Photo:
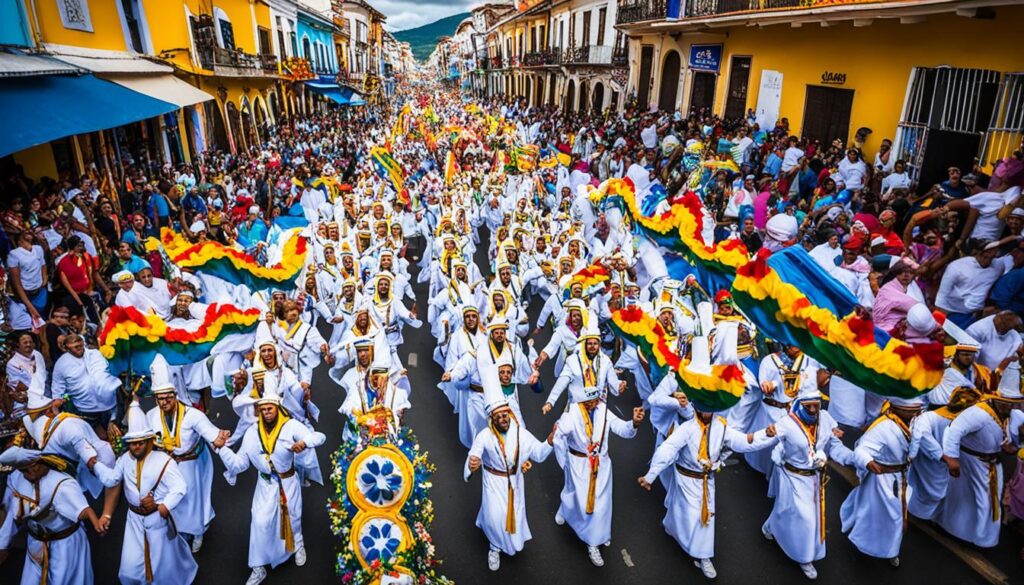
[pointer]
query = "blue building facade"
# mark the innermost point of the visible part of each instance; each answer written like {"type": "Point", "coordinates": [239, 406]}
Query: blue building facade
{"type": "Point", "coordinates": [316, 43]}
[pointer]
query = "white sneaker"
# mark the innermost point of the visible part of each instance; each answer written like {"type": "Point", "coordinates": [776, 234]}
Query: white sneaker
{"type": "Point", "coordinates": [559, 519]}
{"type": "Point", "coordinates": [257, 576]}
{"type": "Point", "coordinates": [300, 556]}
{"type": "Point", "coordinates": [493, 560]}
{"type": "Point", "coordinates": [706, 567]}
{"type": "Point", "coordinates": [197, 543]}
{"type": "Point", "coordinates": [767, 534]}
{"type": "Point", "coordinates": [895, 562]}
{"type": "Point", "coordinates": [595, 556]}
{"type": "Point", "coordinates": [809, 571]}
{"type": "Point", "coordinates": [608, 543]}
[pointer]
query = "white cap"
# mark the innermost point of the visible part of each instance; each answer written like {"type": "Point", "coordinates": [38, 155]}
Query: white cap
{"type": "Point", "coordinates": [964, 342]}
{"type": "Point", "coordinates": [591, 332]}
{"type": "Point", "coordinates": [197, 226]}
{"type": "Point", "coordinates": [1009, 384]}
{"type": "Point", "coordinates": [900, 402]}
{"type": "Point", "coordinates": [160, 376]}
{"type": "Point", "coordinates": [496, 405]}
{"type": "Point", "coordinates": [497, 323]}
{"type": "Point", "coordinates": [808, 386]}
{"type": "Point", "coordinates": [138, 425]}
{"type": "Point", "coordinates": [264, 336]}
{"type": "Point", "coordinates": [19, 456]}
{"type": "Point", "coordinates": [123, 276]}
{"type": "Point", "coordinates": [254, 209]}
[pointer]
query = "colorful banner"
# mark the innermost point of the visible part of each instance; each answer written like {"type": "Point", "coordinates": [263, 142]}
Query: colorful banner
{"type": "Point", "coordinates": [388, 168]}
{"type": "Point", "coordinates": [714, 391]}
{"type": "Point", "coordinates": [787, 295]}
{"type": "Point", "coordinates": [237, 267]}
{"type": "Point", "coordinates": [130, 338]}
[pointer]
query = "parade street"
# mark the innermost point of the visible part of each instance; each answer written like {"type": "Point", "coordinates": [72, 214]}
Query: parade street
{"type": "Point", "coordinates": [640, 551]}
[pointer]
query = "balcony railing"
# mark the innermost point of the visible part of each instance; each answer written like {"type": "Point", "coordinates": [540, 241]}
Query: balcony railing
{"type": "Point", "coordinates": [620, 57]}
{"type": "Point", "coordinates": [538, 58]}
{"type": "Point", "coordinates": [589, 55]}
{"type": "Point", "coordinates": [235, 62]}
{"type": "Point", "coordinates": [640, 10]}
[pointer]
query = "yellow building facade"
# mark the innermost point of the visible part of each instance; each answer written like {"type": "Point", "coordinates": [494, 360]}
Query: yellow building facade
{"type": "Point", "coordinates": [832, 76]}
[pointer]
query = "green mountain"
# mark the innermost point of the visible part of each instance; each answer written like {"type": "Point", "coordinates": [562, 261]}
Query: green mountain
{"type": "Point", "coordinates": [424, 38]}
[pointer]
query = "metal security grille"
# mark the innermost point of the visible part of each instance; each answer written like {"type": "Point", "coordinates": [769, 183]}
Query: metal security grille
{"type": "Point", "coordinates": [945, 99]}
{"type": "Point", "coordinates": [1006, 132]}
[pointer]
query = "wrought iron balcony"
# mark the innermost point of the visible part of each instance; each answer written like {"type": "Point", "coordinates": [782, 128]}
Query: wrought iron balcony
{"type": "Point", "coordinates": [620, 57]}
{"type": "Point", "coordinates": [538, 58]}
{"type": "Point", "coordinates": [640, 10]}
{"type": "Point", "coordinates": [588, 55]}
{"type": "Point", "coordinates": [234, 62]}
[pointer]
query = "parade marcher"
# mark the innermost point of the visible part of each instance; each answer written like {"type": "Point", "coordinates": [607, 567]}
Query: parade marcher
{"type": "Point", "coordinates": [83, 375]}
{"type": "Point", "coordinates": [50, 506]}
{"type": "Point", "coordinates": [273, 447]}
{"type": "Point", "coordinates": [588, 367]}
{"type": "Point", "coordinates": [582, 434]}
{"type": "Point", "coordinates": [153, 551]}
{"type": "Point", "coordinates": [697, 449]}
{"type": "Point", "coordinates": [506, 451]}
{"type": "Point", "coordinates": [874, 515]}
{"type": "Point", "coordinates": [183, 432]}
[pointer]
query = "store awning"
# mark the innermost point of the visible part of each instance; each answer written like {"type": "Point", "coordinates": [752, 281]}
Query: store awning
{"type": "Point", "coordinates": [344, 96]}
{"type": "Point", "coordinates": [21, 65]}
{"type": "Point", "coordinates": [167, 88]}
{"type": "Point", "coordinates": [42, 108]}
{"type": "Point", "coordinates": [104, 61]}
{"type": "Point", "coordinates": [352, 96]}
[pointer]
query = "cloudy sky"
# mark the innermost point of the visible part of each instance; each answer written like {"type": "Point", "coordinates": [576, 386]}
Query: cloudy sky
{"type": "Point", "coordinates": [403, 14]}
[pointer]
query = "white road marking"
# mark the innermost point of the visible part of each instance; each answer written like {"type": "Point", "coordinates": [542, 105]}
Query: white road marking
{"type": "Point", "coordinates": [412, 360]}
{"type": "Point", "coordinates": [626, 558]}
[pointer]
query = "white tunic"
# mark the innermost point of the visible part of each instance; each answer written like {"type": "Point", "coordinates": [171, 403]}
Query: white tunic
{"type": "Point", "coordinates": [266, 547]}
{"type": "Point", "coordinates": [503, 477]}
{"type": "Point", "coordinates": [928, 472]}
{"type": "Point", "coordinates": [61, 502]}
{"type": "Point", "coordinates": [73, 440]}
{"type": "Point", "coordinates": [195, 511]}
{"type": "Point", "coordinates": [872, 514]}
{"type": "Point", "coordinates": [86, 380]}
{"type": "Point", "coordinates": [170, 558]}
{"type": "Point", "coordinates": [593, 523]}
{"type": "Point", "coordinates": [968, 511]}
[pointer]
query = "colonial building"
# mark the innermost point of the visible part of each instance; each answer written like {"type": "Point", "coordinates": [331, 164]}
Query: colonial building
{"type": "Point", "coordinates": [906, 71]}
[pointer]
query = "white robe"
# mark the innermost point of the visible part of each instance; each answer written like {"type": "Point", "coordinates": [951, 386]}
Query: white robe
{"type": "Point", "coordinates": [872, 514]}
{"type": "Point", "coordinates": [966, 511]}
{"type": "Point", "coordinates": [520, 446]}
{"type": "Point", "coordinates": [72, 439]}
{"type": "Point", "coordinates": [794, 520]}
{"type": "Point", "coordinates": [301, 349]}
{"type": "Point", "coordinates": [928, 472]}
{"type": "Point", "coordinates": [86, 380]}
{"type": "Point", "coordinates": [571, 377]}
{"type": "Point", "coordinates": [684, 500]}
{"type": "Point", "coordinates": [266, 547]}
{"type": "Point", "coordinates": [195, 511]}
{"type": "Point", "coordinates": [61, 503]}
{"type": "Point", "coordinates": [593, 528]}
{"type": "Point", "coordinates": [170, 558]}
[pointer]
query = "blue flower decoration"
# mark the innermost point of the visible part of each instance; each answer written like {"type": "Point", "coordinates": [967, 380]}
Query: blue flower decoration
{"type": "Point", "coordinates": [380, 481]}
{"type": "Point", "coordinates": [380, 541]}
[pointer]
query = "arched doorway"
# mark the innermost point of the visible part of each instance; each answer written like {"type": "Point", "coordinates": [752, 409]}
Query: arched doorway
{"type": "Point", "coordinates": [540, 92]}
{"type": "Point", "coordinates": [245, 109]}
{"type": "Point", "coordinates": [235, 125]}
{"type": "Point", "coordinates": [216, 130]}
{"type": "Point", "coordinates": [570, 97]}
{"type": "Point", "coordinates": [259, 115]}
{"type": "Point", "coordinates": [670, 71]}
{"type": "Point", "coordinates": [275, 112]}
{"type": "Point", "coordinates": [528, 89]}
{"type": "Point", "coordinates": [584, 92]}
{"type": "Point", "coordinates": [598, 98]}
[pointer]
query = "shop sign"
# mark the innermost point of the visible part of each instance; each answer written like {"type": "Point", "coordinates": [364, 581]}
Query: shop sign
{"type": "Point", "coordinates": [833, 78]}
{"type": "Point", "coordinates": [706, 57]}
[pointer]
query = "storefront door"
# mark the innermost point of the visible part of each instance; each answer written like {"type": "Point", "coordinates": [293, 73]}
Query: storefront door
{"type": "Point", "coordinates": [702, 91]}
{"type": "Point", "coordinates": [827, 114]}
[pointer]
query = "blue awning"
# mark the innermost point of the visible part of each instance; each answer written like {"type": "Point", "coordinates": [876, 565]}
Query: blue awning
{"type": "Point", "coordinates": [353, 97]}
{"type": "Point", "coordinates": [42, 108]}
{"type": "Point", "coordinates": [331, 92]}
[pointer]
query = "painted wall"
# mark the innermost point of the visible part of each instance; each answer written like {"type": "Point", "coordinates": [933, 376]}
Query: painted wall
{"type": "Point", "coordinates": [14, 28]}
{"type": "Point", "coordinates": [316, 33]}
{"type": "Point", "coordinates": [104, 18]}
{"type": "Point", "coordinates": [877, 61]}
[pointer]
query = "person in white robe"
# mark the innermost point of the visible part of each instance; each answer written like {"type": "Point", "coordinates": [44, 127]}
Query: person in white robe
{"type": "Point", "coordinates": [697, 449]}
{"type": "Point", "coordinates": [301, 344]}
{"type": "Point", "coordinates": [963, 370]}
{"type": "Point", "coordinates": [274, 447]}
{"type": "Point", "coordinates": [194, 378]}
{"type": "Point", "coordinates": [375, 391]}
{"type": "Point", "coordinates": [63, 436]}
{"type": "Point", "coordinates": [152, 550]}
{"type": "Point", "coordinates": [587, 367]}
{"type": "Point", "coordinates": [465, 340]}
{"type": "Point", "coordinates": [348, 304]}
{"type": "Point", "coordinates": [566, 338]}
{"type": "Point", "coordinates": [505, 451]}
{"type": "Point", "coordinates": [582, 435]}
{"type": "Point", "coordinates": [148, 294]}
{"type": "Point", "coordinates": [83, 376]}
{"type": "Point", "coordinates": [929, 475]}
{"type": "Point", "coordinates": [50, 506]}
{"type": "Point", "coordinates": [971, 447]}
{"type": "Point", "coordinates": [183, 433]}
{"type": "Point", "coordinates": [803, 441]}
{"type": "Point", "coordinates": [388, 310]}
{"type": "Point", "coordinates": [874, 514]}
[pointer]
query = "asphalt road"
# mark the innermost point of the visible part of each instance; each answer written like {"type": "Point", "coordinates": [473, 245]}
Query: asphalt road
{"type": "Point", "coordinates": [640, 551]}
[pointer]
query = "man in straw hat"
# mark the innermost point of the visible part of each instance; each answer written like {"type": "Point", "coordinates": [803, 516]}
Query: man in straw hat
{"type": "Point", "coordinates": [581, 439]}
{"type": "Point", "coordinates": [505, 450]}
{"type": "Point", "coordinates": [183, 433]}
{"type": "Point", "coordinates": [50, 506]}
{"type": "Point", "coordinates": [275, 446]}
{"type": "Point", "coordinates": [152, 551]}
